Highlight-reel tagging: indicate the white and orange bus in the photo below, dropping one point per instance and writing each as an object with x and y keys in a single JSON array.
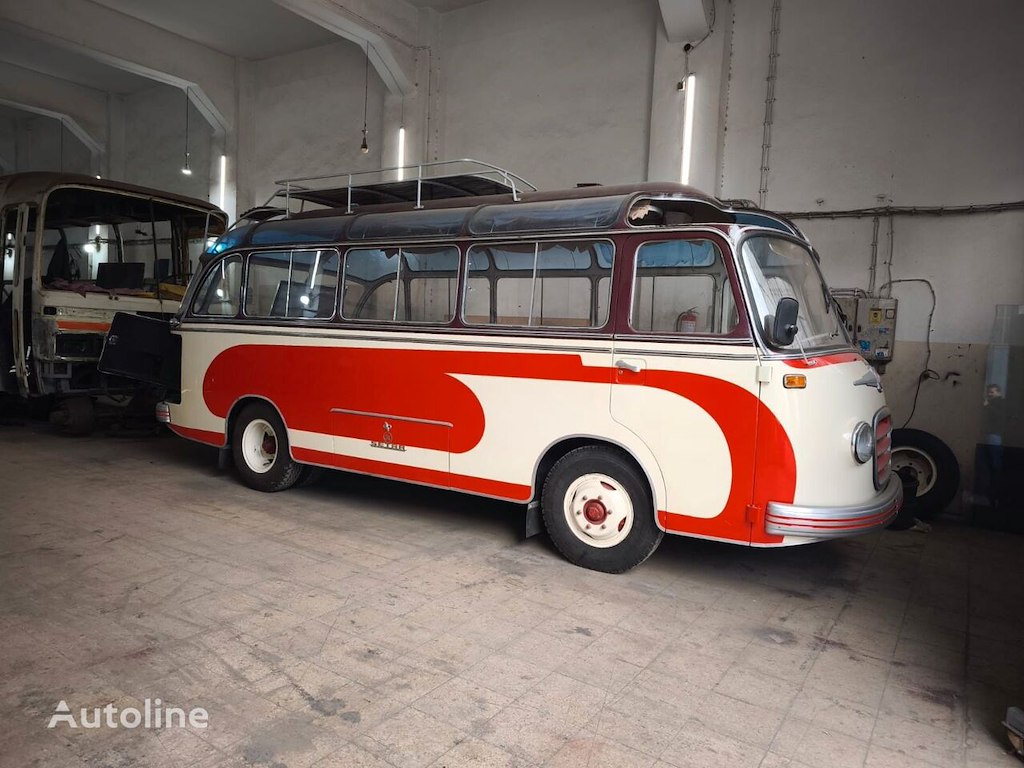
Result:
[
  {"x": 634, "y": 360},
  {"x": 76, "y": 250}
]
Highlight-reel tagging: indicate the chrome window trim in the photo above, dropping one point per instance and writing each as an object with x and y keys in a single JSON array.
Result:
[
  {"x": 394, "y": 322},
  {"x": 242, "y": 257},
  {"x": 677, "y": 336},
  {"x": 757, "y": 332},
  {"x": 538, "y": 241}
]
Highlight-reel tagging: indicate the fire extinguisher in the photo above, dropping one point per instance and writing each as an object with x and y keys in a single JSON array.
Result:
[{"x": 687, "y": 321}]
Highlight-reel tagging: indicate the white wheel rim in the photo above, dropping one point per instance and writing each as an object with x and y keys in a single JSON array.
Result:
[
  {"x": 259, "y": 446},
  {"x": 598, "y": 510},
  {"x": 921, "y": 462}
]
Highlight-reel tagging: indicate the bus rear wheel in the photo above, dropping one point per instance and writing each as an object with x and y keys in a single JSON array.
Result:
[
  {"x": 74, "y": 415},
  {"x": 598, "y": 511},
  {"x": 259, "y": 445}
]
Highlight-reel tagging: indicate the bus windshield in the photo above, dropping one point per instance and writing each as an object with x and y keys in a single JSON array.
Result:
[
  {"x": 100, "y": 240},
  {"x": 778, "y": 268}
]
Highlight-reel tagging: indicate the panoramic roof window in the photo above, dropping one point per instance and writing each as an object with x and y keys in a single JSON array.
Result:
[{"x": 555, "y": 214}]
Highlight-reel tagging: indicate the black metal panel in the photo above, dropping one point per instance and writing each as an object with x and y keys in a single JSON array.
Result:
[{"x": 144, "y": 349}]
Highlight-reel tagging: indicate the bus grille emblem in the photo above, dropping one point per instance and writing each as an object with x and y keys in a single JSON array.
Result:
[{"x": 387, "y": 442}]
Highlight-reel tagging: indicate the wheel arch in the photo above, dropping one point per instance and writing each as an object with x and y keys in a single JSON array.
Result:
[
  {"x": 236, "y": 408},
  {"x": 556, "y": 450}
]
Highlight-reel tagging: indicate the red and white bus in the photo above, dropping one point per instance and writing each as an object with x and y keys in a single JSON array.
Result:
[{"x": 635, "y": 360}]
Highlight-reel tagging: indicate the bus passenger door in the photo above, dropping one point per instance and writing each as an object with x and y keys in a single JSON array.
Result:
[
  {"x": 688, "y": 395},
  {"x": 9, "y": 221},
  {"x": 15, "y": 236}
]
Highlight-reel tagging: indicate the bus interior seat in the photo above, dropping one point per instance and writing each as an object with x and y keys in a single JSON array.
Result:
[
  {"x": 60, "y": 267},
  {"x": 128, "y": 275},
  {"x": 289, "y": 296}
]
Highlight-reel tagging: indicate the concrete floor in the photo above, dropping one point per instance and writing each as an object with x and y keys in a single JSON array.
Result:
[{"x": 364, "y": 624}]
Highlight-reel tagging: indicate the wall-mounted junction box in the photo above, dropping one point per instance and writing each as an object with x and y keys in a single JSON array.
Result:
[{"x": 871, "y": 322}]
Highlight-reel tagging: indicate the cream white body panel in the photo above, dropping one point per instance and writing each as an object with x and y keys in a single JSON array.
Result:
[
  {"x": 681, "y": 448},
  {"x": 820, "y": 421}
]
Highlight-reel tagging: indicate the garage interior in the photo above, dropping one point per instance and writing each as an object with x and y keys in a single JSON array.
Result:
[{"x": 363, "y": 623}]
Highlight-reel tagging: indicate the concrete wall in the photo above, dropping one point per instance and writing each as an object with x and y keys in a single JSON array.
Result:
[
  {"x": 33, "y": 143},
  {"x": 154, "y": 142},
  {"x": 902, "y": 103},
  {"x": 8, "y": 143},
  {"x": 307, "y": 117},
  {"x": 558, "y": 92}
]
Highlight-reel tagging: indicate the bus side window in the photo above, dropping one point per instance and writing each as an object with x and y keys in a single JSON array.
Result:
[
  {"x": 219, "y": 295},
  {"x": 299, "y": 284},
  {"x": 416, "y": 284},
  {"x": 540, "y": 284},
  {"x": 679, "y": 287}
]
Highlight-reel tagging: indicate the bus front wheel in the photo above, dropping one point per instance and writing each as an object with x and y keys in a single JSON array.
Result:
[
  {"x": 598, "y": 510},
  {"x": 259, "y": 445}
]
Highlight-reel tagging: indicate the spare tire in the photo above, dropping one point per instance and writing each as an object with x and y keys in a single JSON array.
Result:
[{"x": 938, "y": 471}]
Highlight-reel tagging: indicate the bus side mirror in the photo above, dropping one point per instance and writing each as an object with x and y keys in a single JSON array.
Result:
[{"x": 783, "y": 322}]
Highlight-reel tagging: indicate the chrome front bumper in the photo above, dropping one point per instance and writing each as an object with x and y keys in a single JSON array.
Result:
[
  {"x": 163, "y": 413},
  {"x": 832, "y": 522}
]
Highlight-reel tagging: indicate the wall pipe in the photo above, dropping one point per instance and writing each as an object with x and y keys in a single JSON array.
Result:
[{"x": 902, "y": 210}]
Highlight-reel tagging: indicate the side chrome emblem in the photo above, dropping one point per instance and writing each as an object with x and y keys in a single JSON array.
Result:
[{"x": 387, "y": 442}]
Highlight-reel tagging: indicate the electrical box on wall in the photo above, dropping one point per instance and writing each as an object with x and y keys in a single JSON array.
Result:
[
  {"x": 871, "y": 321},
  {"x": 876, "y": 328}
]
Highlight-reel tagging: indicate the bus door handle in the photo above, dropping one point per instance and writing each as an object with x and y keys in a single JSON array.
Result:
[{"x": 633, "y": 366}]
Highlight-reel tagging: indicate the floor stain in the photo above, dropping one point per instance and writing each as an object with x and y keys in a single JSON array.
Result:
[
  {"x": 777, "y": 636},
  {"x": 944, "y": 697}
]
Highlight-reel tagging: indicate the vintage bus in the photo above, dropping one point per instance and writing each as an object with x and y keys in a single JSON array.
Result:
[
  {"x": 631, "y": 360},
  {"x": 77, "y": 249}
]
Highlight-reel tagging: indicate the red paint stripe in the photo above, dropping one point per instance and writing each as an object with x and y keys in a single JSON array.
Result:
[
  {"x": 309, "y": 384},
  {"x": 823, "y": 360},
  {"x": 199, "y": 435},
  {"x": 435, "y": 477},
  {"x": 81, "y": 325}
]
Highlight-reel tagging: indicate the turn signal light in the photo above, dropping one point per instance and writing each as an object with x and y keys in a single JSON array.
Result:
[{"x": 794, "y": 381}]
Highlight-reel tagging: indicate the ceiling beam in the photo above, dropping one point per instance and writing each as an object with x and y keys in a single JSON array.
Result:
[
  {"x": 388, "y": 28},
  {"x": 137, "y": 47},
  {"x": 82, "y": 110},
  {"x": 687, "y": 21}
]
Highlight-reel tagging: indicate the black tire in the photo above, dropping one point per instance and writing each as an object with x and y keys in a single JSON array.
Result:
[
  {"x": 310, "y": 475},
  {"x": 938, "y": 471},
  {"x": 611, "y": 478},
  {"x": 261, "y": 455},
  {"x": 75, "y": 416}
]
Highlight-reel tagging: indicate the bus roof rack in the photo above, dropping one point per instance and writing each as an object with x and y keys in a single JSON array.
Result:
[{"x": 439, "y": 180}]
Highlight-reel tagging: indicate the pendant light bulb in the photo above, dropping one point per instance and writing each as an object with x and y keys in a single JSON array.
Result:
[
  {"x": 364, "y": 147},
  {"x": 186, "y": 169}
]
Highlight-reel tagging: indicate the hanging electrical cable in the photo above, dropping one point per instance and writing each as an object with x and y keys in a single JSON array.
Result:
[
  {"x": 769, "y": 101},
  {"x": 927, "y": 372}
]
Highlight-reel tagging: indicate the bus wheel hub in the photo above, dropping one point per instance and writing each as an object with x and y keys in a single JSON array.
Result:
[
  {"x": 595, "y": 511},
  {"x": 598, "y": 509}
]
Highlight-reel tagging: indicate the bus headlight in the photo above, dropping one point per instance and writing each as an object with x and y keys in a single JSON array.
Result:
[{"x": 863, "y": 442}]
